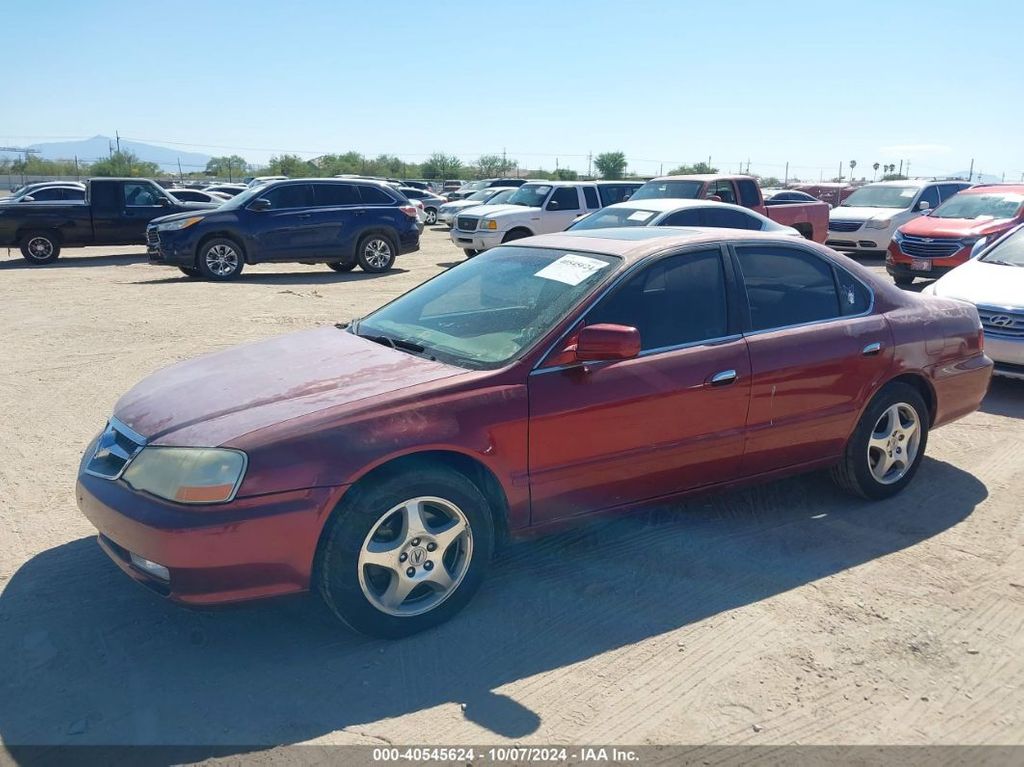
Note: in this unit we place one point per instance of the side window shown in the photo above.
(678, 300)
(371, 195)
(929, 195)
(138, 194)
(786, 287)
(854, 298)
(413, 194)
(613, 193)
(328, 195)
(749, 196)
(730, 219)
(567, 198)
(684, 218)
(50, 193)
(73, 194)
(948, 190)
(590, 194)
(723, 190)
(290, 196)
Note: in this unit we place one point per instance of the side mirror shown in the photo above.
(714, 198)
(923, 205)
(163, 202)
(259, 204)
(553, 205)
(29, 198)
(607, 342)
(979, 247)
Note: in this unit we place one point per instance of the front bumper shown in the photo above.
(899, 264)
(167, 249)
(251, 548)
(476, 240)
(862, 240)
(1007, 353)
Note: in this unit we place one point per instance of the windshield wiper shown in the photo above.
(1000, 263)
(398, 343)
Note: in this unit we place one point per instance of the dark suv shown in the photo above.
(343, 223)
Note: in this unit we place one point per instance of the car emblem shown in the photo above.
(1000, 321)
(926, 239)
(417, 557)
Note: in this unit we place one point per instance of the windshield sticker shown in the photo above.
(640, 215)
(571, 269)
(908, 193)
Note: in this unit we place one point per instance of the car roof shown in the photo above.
(989, 188)
(702, 177)
(666, 204)
(634, 243)
(906, 182)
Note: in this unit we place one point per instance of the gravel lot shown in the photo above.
(785, 613)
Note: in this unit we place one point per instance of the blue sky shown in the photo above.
(666, 82)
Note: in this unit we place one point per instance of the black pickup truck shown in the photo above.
(115, 211)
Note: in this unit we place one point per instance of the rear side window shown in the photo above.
(786, 287)
(289, 196)
(567, 198)
(590, 195)
(678, 300)
(750, 197)
(43, 195)
(684, 218)
(374, 196)
(613, 193)
(413, 194)
(948, 190)
(335, 194)
(724, 191)
(730, 219)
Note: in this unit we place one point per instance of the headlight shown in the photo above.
(977, 245)
(488, 223)
(187, 474)
(878, 223)
(897, 236)
(184, 223)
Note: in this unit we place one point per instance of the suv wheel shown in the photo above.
(375, 253)
(220, 259)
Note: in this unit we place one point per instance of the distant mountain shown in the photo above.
(98, 147)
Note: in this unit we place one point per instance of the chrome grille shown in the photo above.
(467, 223)
(114, 449)
(844, 226)
(929, 247)
(1002, 322)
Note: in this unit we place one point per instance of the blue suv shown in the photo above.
(341, 222)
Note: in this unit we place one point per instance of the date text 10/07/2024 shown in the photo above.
(500, 754)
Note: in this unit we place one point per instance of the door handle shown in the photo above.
(305, 215)
(722, 378)
(871, 349)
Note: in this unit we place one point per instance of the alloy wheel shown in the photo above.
(40, 247)
(377, 253)
(894, 443)
(222, 260)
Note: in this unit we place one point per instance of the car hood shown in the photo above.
(491, 211)
(862, 214)
(927, 226)
(983, 283)
(192, 208)
(211, 400)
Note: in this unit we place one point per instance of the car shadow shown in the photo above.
(89, 657)
(1005, 397)
(327, 277)
(75, 262)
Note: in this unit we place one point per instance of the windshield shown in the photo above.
(882, 197)
(530, 195)
(683, 190)
(472, 186)
(486, 312)
(483, 194)
(615, 216)
(502, 197)
(243, 198)
(1010, 252)
(1003, 205)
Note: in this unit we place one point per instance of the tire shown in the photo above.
(470, 252)
(220, 259)
(516, 234)
(903, 281)
(40, 247)
(376, 253)
(878, 438)
(431, 214)
(341, 266)
(189, 271)
(368, 547)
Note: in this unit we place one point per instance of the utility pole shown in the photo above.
(840, 170)
(118, 137)
(181, 176)
(901, 168)
(970, 173)
(908, 168)
(590, 162)
(786, 181)
(78, 176)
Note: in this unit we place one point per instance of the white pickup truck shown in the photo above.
(539, 207)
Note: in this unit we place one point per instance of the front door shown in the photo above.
(612, 433)
(816, 352)
(284, 231)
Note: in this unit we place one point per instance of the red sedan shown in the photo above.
(547, 380)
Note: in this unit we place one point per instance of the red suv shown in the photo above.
(931, 245)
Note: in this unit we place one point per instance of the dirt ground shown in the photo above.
(788, 613)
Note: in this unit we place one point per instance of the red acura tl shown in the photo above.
(544, 381)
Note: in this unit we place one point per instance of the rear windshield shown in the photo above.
(609, 217)
(683, 190)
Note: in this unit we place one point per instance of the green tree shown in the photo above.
(291, 165)
(124, 164)
(442, 166)
(564, 174)
(229, 167)
(690, 170)
(894, 177)
(769, 182)
(494, 165)
(610, 164)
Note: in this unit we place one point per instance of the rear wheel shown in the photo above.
(405, 553)
(40, 248)
(431, 214)
(904, 281)
(220, 259)
(470, 252)
(375, 253)
(341, 266)
(887, 446)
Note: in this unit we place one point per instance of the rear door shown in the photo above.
(816, 353)
(612, 433)
(337, 209)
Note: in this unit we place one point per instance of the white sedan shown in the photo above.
(666, 211)
(994, 282)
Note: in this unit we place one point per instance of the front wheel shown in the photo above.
(220, 259)
(405, 553)
(470, 252)
(904, 281)
(375, 253)
(431, 214)
(40, 248)
(887, 446)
